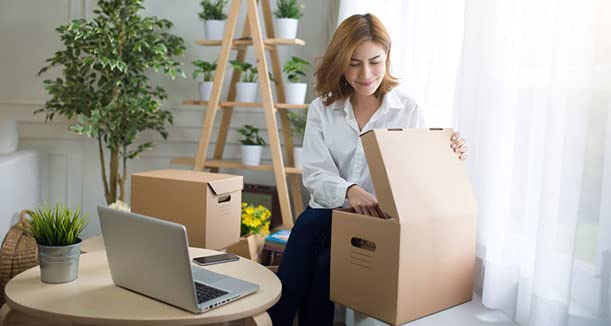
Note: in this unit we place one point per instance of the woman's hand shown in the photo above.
(363, 202)
(458, 145)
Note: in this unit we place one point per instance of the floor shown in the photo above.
(472, 313)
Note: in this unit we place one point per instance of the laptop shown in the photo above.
(151, 257)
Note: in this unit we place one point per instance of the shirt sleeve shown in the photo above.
(320, 174)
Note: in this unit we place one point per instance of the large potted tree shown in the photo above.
(104, 82)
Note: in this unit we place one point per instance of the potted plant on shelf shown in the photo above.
(287, 16)
(56, 231)
(104, 85)
(214, 18)
(294, 90)
(206, 69)
(298, 123)
(252, 145)
(254, 226)
(246, 88)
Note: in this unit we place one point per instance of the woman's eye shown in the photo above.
(354, 65)
(374, 63)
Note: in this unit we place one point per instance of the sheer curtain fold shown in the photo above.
(528, 83)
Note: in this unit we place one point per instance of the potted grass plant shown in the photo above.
(57, 231)
(206, 69)
(298, 123)
(252, 145)
(214, 18)
(295, 90)
(287, 16)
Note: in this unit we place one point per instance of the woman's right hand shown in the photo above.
(363, 202)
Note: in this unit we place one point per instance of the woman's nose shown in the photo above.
(365, 71)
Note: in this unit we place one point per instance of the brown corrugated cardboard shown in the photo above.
(207, 204)
(421, 260)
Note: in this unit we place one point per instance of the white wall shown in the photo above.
(27, 38)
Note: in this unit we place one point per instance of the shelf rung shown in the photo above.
(234, 165)
(245, 42)
(247, 104)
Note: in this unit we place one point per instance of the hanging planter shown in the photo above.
(252, 145)
(287, 16)
(214, 19)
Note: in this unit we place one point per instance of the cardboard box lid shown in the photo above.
(416, 175)
(219, 183)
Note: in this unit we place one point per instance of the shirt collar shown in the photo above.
(391, 100)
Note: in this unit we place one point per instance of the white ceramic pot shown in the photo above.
(9, 136)
(295, 93)
(246, 92)
(251, 154)
(205, 88)
(297, 156)
(286, 27)
(214, 29)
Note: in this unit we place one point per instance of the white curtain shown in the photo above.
(528, 83)
(532, 98)
(426, 45)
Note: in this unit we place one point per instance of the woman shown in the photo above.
(357, 95)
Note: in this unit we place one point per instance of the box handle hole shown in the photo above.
(363, 244)
(224, 199)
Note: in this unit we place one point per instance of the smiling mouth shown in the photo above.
(369, 83)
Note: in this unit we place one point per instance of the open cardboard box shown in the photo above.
(421, 260)
(207, 204)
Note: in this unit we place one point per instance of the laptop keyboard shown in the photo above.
(205, 292)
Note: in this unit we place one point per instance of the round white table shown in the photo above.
(93, 299)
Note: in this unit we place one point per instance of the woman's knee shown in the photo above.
(313, 219)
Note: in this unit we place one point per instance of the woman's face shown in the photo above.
(367, 68)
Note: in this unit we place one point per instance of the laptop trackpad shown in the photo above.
(206, 276)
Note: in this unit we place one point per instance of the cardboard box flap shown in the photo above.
(225, 186)
(416, 175)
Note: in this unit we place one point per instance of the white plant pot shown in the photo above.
(205, 88)
(295, 93)
(251, 154)
(297, 156)
(214, 29)
(9, 136)
(246, 92)
(286, 27)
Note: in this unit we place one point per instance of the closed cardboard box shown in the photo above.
(207, 204)
(421, 260)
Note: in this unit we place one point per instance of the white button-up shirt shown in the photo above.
(333, 157)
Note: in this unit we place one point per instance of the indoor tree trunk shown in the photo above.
(113, 177)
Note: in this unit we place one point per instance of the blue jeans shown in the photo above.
(304, 272)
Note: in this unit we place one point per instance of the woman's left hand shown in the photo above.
(458, 145)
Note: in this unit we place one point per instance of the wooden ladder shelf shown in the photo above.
(252, 36)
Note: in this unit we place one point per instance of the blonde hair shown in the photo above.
(330, 82)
